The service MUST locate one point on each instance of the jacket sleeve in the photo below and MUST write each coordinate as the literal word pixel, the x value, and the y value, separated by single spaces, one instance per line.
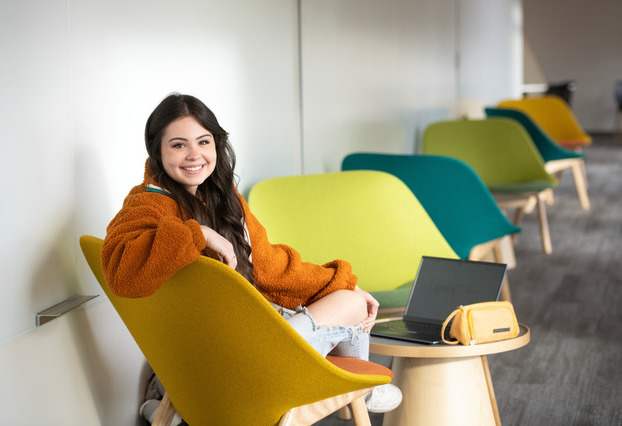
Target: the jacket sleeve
pixel 281 274
pixel 147 243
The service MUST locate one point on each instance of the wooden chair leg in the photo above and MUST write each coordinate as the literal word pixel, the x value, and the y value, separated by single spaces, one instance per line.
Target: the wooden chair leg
pixel 580 182
pixel 505 290
pixel 584 170
pixel 359 412
pixel 504 251
pixel 165 413
pixel 531 204
pixel 545 234
pixel 500 257
pixel 519 213
pixel 286 420
pixel 344 413
pixel 550 197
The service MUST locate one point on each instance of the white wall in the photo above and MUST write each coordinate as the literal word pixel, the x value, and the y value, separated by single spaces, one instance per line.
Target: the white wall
pixel 82 369
pixel 36 256
pixel 577 40
pixel 77 82
pixel 490 53
pixel 374 74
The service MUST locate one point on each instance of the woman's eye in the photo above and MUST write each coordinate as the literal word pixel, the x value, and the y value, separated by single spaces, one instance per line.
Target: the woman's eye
pixel 205 142
pixel 178 146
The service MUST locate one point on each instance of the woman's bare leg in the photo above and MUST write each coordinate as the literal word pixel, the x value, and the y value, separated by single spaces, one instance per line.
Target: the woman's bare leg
pixel 342 307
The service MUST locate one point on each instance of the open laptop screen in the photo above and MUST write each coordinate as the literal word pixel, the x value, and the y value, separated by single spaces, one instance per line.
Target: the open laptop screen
pixel 444 284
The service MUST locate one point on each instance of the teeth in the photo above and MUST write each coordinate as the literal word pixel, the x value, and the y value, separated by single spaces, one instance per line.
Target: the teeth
pixel 193 169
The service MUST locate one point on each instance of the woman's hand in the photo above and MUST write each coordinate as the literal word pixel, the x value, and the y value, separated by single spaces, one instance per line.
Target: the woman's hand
pixel 219 246
pixel 372 309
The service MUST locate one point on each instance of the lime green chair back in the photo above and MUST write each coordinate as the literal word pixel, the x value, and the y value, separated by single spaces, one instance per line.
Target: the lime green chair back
pixel 554 116
pixel 449 190
pixel 223 353
pixel 371 219
pixel 498 149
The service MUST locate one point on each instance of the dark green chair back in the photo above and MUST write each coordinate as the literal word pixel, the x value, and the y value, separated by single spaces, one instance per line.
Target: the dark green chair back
pixel 549 150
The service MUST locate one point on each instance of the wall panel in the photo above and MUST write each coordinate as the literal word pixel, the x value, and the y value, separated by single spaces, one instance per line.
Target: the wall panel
pixel 373 75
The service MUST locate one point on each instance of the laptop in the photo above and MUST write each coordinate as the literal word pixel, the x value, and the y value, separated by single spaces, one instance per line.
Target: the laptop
pixel 440 287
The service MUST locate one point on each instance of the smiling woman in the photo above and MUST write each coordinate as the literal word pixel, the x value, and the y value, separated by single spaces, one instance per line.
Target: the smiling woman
pixel 190 158
pixel 188 206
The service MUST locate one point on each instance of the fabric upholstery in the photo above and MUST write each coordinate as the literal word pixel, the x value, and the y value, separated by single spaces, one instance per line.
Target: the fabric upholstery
pixel 369 218
pixel 450 191
pixel 498 149
pixel 223 353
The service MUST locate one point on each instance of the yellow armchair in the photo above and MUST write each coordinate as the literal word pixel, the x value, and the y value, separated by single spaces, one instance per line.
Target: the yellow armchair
pixel 555 117
pixel 226 357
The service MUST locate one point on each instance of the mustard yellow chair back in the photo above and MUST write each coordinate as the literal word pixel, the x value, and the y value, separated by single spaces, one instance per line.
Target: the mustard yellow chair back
pixel 369 218
pixel 222 352
pixel 554 116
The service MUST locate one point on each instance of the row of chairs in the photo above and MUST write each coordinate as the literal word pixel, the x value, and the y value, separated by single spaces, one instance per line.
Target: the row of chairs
pixel 470 171
pixel 211 336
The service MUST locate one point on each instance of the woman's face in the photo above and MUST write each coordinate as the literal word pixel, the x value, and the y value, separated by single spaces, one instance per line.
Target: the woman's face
pixel 188 152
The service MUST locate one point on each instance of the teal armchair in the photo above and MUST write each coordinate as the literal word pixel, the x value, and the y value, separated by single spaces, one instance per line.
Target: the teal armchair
pixel 453 195
pixel 456 199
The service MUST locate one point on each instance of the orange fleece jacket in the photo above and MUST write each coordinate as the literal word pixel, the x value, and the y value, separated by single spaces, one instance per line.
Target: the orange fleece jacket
pixel 149 240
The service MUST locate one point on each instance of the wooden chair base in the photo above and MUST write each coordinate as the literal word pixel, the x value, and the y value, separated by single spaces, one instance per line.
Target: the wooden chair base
pixel 543 221
pixel 524 203
pixel 577 166
pixel 308 414
pixel 165 413
pixel 502 251
pixel 352 402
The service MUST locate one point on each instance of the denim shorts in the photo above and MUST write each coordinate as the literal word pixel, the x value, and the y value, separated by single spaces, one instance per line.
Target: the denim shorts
pixel 350 341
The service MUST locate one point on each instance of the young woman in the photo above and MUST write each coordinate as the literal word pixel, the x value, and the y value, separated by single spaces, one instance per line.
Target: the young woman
pixel 188 206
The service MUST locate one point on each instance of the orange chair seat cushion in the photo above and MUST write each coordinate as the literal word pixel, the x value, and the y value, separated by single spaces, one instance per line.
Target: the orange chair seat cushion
pixel 358 366
pixel 573 145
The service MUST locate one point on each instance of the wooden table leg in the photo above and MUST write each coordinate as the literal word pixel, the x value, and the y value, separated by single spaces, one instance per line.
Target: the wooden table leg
pixel 442 392
pixel 491 391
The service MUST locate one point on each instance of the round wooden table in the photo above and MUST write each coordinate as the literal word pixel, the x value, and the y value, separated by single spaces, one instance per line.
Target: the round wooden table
pixel 444 385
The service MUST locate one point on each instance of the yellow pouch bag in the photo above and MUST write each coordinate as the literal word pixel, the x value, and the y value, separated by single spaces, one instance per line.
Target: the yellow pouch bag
pixel 481 323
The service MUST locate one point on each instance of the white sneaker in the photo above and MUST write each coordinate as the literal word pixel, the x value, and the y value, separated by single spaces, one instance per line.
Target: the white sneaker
pixel 148 409
pixel 384 398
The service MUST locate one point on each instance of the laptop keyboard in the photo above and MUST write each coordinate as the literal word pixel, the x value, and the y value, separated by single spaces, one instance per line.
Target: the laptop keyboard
pixel 420 327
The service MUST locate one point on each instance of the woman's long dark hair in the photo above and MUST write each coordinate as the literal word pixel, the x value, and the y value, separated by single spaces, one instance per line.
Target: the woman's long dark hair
pixel 215 203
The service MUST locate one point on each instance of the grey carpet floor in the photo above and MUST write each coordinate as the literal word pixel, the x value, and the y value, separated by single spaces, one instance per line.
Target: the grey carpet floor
pixel 571 372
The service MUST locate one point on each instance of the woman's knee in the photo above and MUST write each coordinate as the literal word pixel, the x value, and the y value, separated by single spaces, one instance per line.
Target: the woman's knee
pixel 355 304
pixel 342 307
